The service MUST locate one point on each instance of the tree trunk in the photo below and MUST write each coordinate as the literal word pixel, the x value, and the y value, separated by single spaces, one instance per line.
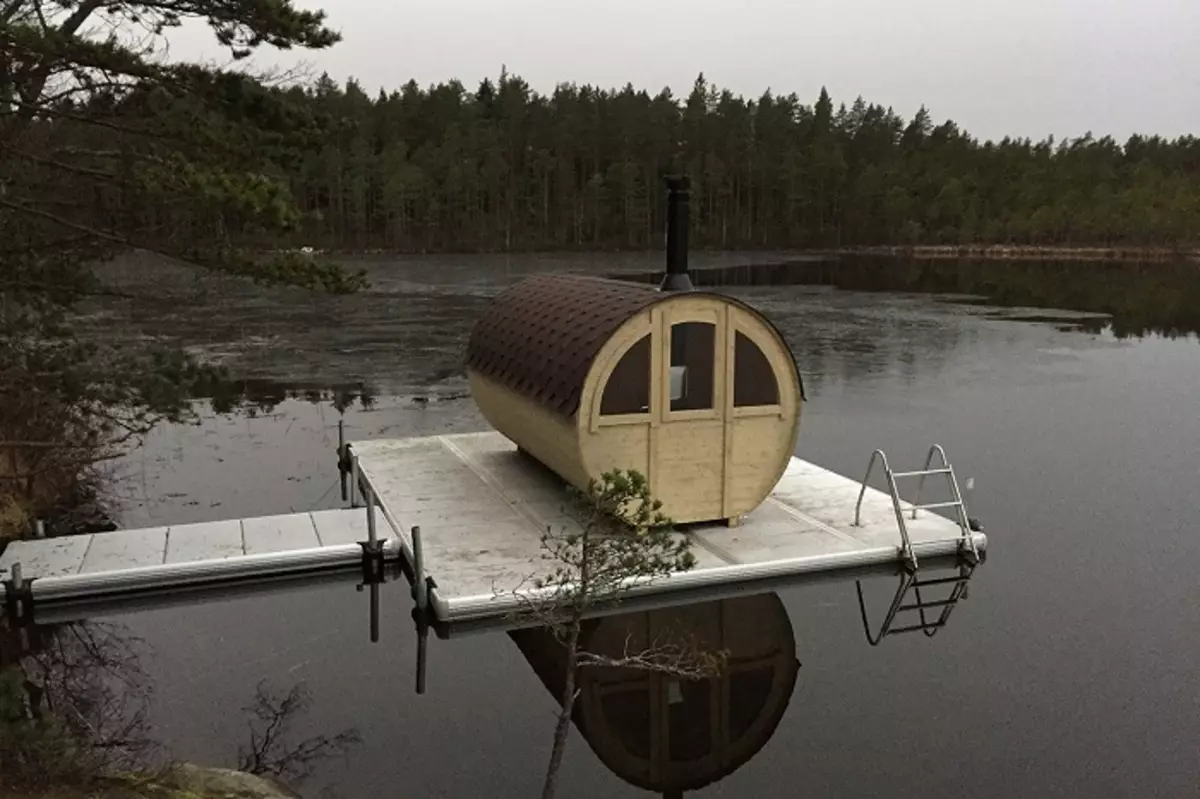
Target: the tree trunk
pixel 563 728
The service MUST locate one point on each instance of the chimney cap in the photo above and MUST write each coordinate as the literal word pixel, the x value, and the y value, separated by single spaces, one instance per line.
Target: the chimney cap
pixel 679 182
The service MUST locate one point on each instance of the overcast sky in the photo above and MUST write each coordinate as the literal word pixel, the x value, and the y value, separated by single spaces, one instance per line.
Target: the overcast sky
pixel 996 67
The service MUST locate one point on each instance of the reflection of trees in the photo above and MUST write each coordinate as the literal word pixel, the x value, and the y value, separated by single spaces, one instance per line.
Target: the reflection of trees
pixel 73 704
pixel 261 395
pixel 268 750
pixel 668 735
pixel 1142 299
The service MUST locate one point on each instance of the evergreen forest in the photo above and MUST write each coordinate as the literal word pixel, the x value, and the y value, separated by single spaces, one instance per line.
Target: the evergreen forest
pixel 503 167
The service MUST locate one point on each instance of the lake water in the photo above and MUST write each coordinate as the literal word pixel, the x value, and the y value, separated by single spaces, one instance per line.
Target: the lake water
pixel 1072 400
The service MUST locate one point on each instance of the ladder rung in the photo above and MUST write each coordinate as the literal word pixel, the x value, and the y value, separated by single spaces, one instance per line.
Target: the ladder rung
pixel 920 472
pixel 940 581
pixel 932 505
pixel 912 628
pixel 931 604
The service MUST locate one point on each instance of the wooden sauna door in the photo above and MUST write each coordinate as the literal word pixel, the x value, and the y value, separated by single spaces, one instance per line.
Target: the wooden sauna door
pixel 688 433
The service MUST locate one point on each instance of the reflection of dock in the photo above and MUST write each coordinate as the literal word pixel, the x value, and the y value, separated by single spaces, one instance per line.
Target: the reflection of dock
pixel 482 509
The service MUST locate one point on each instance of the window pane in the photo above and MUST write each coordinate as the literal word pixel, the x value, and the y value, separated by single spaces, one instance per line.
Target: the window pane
pixel 748 694
pixel 689 719
pixel 693 347
pixel 753 378
pixel 628 715
pixel 628 389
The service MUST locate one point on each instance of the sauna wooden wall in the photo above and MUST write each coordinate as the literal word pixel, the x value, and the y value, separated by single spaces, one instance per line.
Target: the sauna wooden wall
pixel 705 464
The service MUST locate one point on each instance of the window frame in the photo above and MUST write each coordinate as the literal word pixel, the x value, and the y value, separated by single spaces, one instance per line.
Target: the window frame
pixel 750 411
pixel 628 341
pixel 743 412
pixel 716 318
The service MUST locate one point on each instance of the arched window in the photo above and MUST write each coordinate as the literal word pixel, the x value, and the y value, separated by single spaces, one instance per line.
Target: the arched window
pixel 753 378
pixel 628 387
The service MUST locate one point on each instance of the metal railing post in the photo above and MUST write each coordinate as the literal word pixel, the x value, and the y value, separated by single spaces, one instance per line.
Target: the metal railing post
pixel 341 450
pixel 374 613
pixel 421 595
pixel 369 501
pixel 906 549
pixel 866 478
pixel 420 589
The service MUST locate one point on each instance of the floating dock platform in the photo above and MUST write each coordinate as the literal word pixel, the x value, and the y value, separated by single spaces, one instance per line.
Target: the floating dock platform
pixel 481 508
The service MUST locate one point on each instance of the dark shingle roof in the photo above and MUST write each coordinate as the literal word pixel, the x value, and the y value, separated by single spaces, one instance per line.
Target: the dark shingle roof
pixel 540 336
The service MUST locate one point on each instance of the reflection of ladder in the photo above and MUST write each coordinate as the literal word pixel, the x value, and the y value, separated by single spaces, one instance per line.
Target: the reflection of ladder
pixel 909 582
pixel 966 543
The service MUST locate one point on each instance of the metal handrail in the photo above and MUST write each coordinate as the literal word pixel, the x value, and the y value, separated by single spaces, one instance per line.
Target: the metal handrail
pixel 905 581
pixel 906 549
pixel 909 582
pixel 960 507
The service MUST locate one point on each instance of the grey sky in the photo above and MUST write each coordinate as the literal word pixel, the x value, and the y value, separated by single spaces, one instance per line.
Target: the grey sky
pixel 996 67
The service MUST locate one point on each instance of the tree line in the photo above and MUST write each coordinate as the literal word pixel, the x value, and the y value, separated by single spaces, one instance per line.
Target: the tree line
pixel 506 168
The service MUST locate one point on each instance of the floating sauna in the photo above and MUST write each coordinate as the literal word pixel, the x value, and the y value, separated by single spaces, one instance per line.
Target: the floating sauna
pixel 697 391
pixel 662 733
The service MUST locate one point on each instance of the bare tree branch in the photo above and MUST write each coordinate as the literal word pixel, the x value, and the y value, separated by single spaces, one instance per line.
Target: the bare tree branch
pixel 268 754
pixel 685 659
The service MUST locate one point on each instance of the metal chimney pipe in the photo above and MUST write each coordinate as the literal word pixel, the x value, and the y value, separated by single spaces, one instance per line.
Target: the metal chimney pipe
pixel 678 195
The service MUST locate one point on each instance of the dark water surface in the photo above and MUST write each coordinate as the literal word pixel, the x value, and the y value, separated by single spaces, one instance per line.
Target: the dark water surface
pixel 1073 669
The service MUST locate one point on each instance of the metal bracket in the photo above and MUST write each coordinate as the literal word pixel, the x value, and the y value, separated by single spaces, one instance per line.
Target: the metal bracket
pixel 373 575
pixel 18 598
pixel 373 562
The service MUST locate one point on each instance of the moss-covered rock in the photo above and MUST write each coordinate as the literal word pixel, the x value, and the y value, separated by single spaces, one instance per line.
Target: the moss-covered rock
pixel 184 781
pixel 219 783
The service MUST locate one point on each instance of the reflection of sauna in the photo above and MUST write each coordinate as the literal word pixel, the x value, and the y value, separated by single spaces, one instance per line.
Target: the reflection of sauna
pixel 663 734
pixel 697 391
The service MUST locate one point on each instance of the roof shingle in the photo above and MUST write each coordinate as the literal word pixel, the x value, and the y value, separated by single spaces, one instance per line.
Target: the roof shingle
pixel 540 336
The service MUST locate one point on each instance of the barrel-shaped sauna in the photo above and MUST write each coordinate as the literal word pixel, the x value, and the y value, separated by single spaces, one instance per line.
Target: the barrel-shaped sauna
pixel 661 732
pixel 697 391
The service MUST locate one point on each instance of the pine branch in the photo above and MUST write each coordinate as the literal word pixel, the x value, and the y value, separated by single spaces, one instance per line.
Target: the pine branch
pixel 65 167
pixel 93 121
pixel 67 223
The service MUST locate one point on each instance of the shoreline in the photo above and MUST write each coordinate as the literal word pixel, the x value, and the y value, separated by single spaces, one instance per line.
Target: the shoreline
pixel 988 252
pixel 1008 252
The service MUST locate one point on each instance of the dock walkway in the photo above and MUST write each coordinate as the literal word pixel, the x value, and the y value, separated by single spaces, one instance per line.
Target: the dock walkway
pixel 94 566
